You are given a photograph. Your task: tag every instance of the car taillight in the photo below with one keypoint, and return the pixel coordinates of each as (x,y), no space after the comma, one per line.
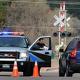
(73,53)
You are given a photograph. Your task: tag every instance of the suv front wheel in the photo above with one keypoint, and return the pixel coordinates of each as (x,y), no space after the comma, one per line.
(28,69)
(69,72)
(62,69)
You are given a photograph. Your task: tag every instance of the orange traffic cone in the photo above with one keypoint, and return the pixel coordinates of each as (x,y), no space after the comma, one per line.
(35,70)
(15,72)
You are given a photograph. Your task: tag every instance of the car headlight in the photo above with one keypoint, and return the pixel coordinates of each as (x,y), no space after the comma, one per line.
(23,55)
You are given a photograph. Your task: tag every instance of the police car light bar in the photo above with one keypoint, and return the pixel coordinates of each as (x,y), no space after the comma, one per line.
(12,33)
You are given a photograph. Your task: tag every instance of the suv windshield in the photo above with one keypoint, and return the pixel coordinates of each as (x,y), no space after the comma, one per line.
(13,42)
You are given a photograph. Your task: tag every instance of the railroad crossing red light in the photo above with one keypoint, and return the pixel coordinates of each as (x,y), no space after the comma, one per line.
(62,34)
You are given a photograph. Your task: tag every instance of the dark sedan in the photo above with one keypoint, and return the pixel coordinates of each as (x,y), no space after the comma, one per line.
(69,62)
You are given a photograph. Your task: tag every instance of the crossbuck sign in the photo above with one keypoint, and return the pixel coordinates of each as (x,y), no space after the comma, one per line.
(60,21)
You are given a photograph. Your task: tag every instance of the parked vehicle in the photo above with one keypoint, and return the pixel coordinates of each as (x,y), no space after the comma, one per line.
(69,62)
(15,46)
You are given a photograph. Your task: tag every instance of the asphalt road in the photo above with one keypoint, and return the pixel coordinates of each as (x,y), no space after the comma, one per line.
(45,76)
(49,74)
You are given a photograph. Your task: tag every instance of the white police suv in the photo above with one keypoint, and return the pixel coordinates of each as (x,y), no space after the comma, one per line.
(15,46)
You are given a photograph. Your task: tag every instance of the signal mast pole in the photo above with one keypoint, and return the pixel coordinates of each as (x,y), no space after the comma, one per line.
(62,25)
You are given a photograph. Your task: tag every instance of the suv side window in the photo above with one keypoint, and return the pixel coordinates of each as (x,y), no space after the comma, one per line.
(41,44)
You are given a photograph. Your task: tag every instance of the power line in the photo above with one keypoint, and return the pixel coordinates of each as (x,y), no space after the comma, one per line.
(51,2)
(72,8)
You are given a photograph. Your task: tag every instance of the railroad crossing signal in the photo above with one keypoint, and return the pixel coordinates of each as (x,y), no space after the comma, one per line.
(61,20)
(62,23)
